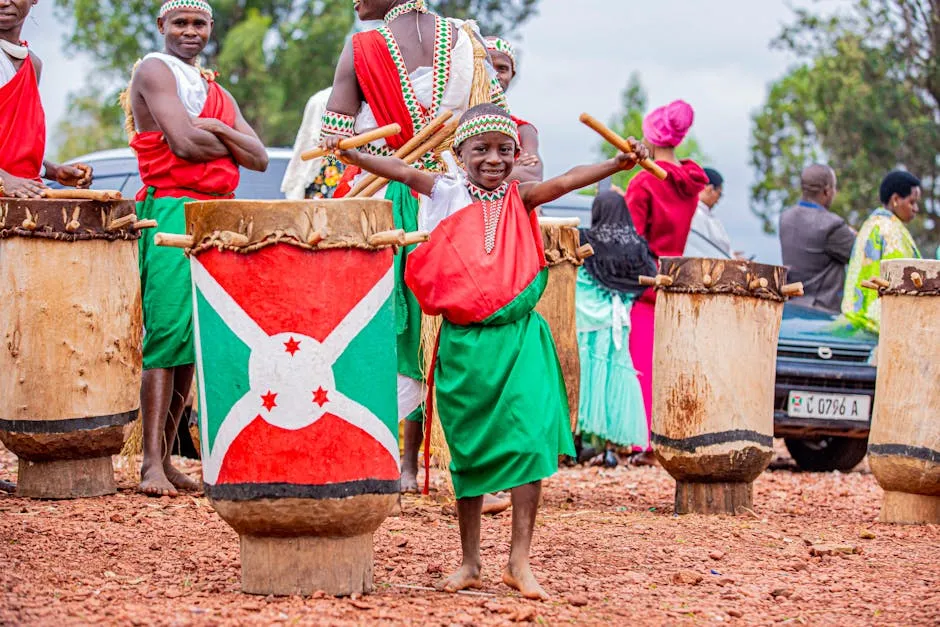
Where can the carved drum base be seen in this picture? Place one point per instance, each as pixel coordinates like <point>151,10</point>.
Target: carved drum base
<point>713,498</point>
<point>65,479</point>
<point>910,509</point>
<point>305,564</point>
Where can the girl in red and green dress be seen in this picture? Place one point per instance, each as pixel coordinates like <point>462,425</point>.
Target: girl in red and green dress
<point>499,387</point>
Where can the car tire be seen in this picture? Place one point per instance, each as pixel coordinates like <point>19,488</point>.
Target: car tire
<point>828,453</point>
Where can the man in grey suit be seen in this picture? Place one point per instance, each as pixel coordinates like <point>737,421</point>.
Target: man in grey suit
<point>816,243</point>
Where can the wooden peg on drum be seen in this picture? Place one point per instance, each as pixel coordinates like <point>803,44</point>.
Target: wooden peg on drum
<point>122,223</point>
<point>395,237</point>
<point>173,240</point>
<point>660,280</point>
<point>622,145</point>
<point>416,237</point>
<point>355,141</point>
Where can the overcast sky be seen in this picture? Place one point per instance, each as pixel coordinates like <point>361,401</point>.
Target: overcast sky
<point>577,56</point>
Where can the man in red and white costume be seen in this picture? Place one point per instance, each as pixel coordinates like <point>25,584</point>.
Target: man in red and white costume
<point>190,139</point>
<point>22,119</point>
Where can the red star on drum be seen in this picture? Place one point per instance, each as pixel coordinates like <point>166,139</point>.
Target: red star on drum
<point>320,398</point>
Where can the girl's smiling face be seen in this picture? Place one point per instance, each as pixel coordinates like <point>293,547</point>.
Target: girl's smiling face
<point>488,158</point>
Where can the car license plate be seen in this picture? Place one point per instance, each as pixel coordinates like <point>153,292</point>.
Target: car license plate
<point>829,406</point>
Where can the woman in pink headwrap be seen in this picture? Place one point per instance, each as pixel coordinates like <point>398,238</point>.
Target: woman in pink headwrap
<point>662,212</point>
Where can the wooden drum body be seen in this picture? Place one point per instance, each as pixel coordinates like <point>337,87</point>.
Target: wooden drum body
<point>70,324</point>
<point>713,378</point>
<point>296,362</point>
<point>904,443</point>
<point>564,256</point>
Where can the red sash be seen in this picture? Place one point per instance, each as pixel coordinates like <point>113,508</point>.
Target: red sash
<point>22,124</point>
<point>454,276</point>
<point>175,177</point>
<point>378,78</point>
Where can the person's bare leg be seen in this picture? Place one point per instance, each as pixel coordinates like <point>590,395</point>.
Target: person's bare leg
<point>155,394</point>
<point>182,382</point>
<point>518,573</point>
<point>469,512</point>
<point>414,433</point>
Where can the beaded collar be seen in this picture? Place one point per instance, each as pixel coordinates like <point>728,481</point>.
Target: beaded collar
<point>407,7</point>
<point>485,195</point>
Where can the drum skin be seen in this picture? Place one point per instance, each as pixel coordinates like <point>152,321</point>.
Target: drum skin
<point>71,329</point>
<point>296,363</point>
<point>904,443</point>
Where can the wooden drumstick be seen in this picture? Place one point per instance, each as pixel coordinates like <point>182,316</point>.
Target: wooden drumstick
<point>622,145</point>
<point>356,141</point>
<point>877,280</point>
<point>395,237</point>
<point>436,140</point>
<point>81,194</point>
<point>792,290</point>
<point>758,284</point>
<point>407,149</point>
<point>917,280</point>
<point>870,285</point>
<point>145,224</point>
<point>122,222</point>
<point>173,240</point>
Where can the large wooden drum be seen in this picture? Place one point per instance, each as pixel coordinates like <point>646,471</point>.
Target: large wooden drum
<point>564,256</point>
<point>296,364</point>
<point>70,324</point>
<point>904,444</point>
<point>714,365</point>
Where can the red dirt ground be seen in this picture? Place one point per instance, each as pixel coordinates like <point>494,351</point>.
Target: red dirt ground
<point>607,548</point>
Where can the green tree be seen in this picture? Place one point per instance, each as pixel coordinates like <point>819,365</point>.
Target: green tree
<point>865,99</point>
<point>271,54</point>
<point>628,122</point>
<point>503,18</point>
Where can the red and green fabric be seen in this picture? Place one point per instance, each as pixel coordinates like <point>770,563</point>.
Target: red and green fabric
<point>295,355</point>
<point>498,385</point>
<point>169,183</point>
<point>22,124</point>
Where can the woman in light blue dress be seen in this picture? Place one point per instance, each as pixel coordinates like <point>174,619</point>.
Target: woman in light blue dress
<point>611,407</point>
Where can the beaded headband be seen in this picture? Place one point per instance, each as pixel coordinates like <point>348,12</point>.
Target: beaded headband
<point>194,5</point>
<point>487,124</point>
<point>497,44</point>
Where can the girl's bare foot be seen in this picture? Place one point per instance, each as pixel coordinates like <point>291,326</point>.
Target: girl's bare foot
<point>181,481</point>
<point>467,576</point>
<point>153,482</point>
<point>496,503</point>
<point>521,578</point>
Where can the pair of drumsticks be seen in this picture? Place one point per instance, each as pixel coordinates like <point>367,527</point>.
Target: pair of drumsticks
<point>437,132</point>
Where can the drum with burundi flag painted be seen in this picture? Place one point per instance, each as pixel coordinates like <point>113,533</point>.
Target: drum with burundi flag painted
<point>296,363</point>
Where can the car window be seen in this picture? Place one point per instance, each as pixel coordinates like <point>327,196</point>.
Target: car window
<point>113,167</point>
<point>132,186</point>
<point>262,185</point>
<point>112,182</point>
